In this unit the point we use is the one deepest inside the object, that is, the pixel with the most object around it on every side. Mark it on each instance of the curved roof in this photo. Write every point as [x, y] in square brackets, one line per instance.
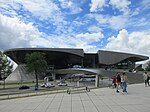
[78, 52]
[18, 54]
[64, 56]
[110, 57]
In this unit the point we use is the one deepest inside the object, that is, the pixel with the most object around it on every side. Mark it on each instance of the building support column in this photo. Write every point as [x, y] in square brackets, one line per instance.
[97, 80]
[78, 84]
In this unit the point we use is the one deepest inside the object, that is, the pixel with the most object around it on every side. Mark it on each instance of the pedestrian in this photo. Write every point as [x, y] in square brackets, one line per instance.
[114, 81]
[148, 77]
[118, 82]
[121, 81]
[125, 79]
[145, 75]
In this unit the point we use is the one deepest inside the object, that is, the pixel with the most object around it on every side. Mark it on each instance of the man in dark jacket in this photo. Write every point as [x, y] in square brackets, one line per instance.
[118, 81]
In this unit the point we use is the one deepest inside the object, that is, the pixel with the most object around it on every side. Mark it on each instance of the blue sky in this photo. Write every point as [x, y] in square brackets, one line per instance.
[118, 25]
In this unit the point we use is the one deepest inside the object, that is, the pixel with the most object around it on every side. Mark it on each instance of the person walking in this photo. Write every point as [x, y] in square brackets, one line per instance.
[148, 77]
[125, 79]
[114, 81]
[145, 76]
[118, 82]
[121, 80]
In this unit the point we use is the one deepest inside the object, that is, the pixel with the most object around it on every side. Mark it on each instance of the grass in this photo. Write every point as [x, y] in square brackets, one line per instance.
[16, 84]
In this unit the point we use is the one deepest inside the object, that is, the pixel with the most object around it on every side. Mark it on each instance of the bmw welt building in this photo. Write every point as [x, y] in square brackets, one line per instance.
[70, 61]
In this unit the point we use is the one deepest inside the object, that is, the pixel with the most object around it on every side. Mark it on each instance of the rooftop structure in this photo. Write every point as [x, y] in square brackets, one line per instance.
[62, 58]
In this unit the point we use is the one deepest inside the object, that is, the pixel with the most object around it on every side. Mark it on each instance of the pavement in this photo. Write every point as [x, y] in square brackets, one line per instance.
[97, 100]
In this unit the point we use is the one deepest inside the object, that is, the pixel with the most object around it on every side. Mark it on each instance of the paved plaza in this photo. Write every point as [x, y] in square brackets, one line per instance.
[97, 100]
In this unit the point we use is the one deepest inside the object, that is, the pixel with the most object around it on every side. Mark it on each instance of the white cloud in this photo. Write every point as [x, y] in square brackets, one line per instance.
[135, 12]
[145, 4]
[100, 18]
[94, 37]
[66, 41]
[120, 42]
[73, 7]
[85, 41]
[94, 29]
[113, 22]
[97, 4]
[15, 33]
[66, 3]
[117, 22]
[44, 9]
[88, 48]
[121, 5]
[135, 42]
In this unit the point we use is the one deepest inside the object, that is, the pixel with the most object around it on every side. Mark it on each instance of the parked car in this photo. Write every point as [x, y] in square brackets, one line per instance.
[77, 66]
[43, 85]
[47, 85]
[62, 84]
[24, 87]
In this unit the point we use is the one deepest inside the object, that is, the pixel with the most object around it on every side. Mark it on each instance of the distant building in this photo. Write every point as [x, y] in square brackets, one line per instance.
[65, 58]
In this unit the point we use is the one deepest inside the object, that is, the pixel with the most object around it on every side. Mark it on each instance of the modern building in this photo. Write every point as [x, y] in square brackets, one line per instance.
[60, 60]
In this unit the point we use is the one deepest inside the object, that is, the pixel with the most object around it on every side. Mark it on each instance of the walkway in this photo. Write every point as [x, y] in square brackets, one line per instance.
[98, 100]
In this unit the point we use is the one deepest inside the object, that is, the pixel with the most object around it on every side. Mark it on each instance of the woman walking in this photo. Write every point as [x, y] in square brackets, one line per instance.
[125, 78]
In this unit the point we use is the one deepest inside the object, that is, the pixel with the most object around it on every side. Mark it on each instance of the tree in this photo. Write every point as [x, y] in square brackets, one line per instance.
[6, 67]
[148, 66]
[36, 63]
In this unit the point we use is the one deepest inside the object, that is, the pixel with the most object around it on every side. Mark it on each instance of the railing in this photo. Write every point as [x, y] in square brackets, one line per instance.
[78, 89]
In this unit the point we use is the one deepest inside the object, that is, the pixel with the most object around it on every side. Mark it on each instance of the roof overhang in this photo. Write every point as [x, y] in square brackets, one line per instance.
[110, 57]
[17, 54]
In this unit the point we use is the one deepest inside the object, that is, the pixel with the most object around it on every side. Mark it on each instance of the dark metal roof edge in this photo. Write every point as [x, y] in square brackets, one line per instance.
[14, 49]
[133, 54]
[81, 53]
